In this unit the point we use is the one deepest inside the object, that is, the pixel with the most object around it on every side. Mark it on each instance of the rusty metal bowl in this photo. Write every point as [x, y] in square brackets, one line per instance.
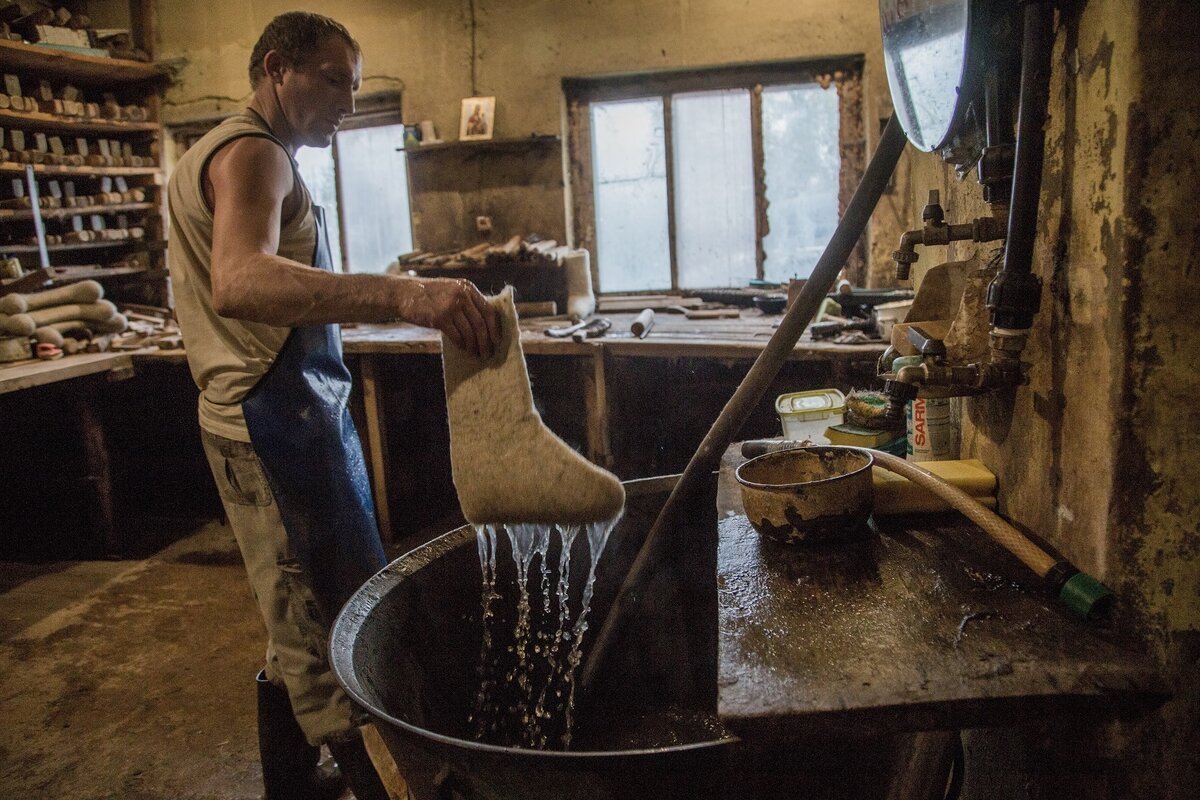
[808, 494]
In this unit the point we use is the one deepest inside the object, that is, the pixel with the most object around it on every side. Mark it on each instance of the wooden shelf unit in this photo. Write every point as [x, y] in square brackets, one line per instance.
[140, 264]
[144, 244]
[79, 211]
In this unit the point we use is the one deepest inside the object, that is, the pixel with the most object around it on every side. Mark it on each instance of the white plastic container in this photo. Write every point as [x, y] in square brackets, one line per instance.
[888, 314]
[806, 415]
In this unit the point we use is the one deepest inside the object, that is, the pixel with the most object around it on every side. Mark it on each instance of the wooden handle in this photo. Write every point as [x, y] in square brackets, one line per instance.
[642, 325]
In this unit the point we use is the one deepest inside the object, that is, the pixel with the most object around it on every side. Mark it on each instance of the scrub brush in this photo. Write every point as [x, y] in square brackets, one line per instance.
[867, 409]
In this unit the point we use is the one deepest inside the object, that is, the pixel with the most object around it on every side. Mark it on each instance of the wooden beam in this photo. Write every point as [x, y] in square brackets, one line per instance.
[595, 399]
[377, 445]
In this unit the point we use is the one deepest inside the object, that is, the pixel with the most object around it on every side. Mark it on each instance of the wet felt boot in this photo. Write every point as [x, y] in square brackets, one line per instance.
[350, 753]
[290, 765]
[507, 465]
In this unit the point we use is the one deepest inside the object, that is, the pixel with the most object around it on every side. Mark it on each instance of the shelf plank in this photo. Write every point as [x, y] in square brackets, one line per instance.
[66, 213]
[59, 276]
[81, 172]
[88, 70]
[484, 145]
[37, 120]
[144, 244]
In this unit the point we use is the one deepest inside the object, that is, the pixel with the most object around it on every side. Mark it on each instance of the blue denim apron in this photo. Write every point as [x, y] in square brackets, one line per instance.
[300, 426]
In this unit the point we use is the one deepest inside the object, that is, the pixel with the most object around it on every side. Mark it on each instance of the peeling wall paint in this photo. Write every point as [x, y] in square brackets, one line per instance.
[1096, 453]
[1052, 441]
[1159, 524]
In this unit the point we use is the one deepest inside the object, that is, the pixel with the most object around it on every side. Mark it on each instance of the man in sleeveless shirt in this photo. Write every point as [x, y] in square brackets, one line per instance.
[257, 300]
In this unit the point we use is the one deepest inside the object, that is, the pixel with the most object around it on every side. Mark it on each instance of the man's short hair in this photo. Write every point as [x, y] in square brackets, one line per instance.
[295, 35]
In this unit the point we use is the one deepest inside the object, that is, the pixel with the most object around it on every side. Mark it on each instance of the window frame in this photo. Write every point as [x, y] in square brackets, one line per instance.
[372, 117]
[843, 71]
[371, 110]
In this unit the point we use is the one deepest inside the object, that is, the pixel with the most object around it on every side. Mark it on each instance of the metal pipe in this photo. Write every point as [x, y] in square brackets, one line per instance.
[708, 456]
[1014, 295]
[981, 229]
[914, 374]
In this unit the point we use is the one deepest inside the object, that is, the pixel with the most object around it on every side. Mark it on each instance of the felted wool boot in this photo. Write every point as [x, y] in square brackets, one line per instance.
[350, 753]
[290, 764]
[507, 465]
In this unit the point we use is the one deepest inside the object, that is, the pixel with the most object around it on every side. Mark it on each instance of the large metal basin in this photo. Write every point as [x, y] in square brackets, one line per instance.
[407, 646]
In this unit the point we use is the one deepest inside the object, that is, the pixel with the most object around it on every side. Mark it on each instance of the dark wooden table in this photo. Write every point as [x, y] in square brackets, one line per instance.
[923, 623]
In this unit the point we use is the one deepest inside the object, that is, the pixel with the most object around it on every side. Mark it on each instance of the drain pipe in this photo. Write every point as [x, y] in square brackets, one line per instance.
[1081, 592]
[707, 457]
[1014, 295]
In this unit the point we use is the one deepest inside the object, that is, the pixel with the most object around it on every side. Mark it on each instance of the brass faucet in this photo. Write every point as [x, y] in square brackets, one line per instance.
[936, 231]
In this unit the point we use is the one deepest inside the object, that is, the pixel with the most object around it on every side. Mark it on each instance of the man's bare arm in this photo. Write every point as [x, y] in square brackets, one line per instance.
[251, 179]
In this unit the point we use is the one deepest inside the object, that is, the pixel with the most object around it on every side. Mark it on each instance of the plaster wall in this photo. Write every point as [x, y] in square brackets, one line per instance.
[522, 48]
[438, 52]
[1095, 453]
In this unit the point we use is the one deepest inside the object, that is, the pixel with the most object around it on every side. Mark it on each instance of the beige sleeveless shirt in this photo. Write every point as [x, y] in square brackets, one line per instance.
[226, 356]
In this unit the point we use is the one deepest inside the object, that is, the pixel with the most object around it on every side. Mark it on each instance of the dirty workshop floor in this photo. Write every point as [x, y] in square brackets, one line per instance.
[131, 680]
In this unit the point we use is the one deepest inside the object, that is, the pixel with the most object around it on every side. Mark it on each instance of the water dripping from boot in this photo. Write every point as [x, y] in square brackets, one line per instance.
[526, 688]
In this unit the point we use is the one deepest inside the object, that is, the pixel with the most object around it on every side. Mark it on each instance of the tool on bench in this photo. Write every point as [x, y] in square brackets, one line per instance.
[592, 330]
[585, 329]
[562, 333]
[705, 313]
[828, 329]
[641, 326]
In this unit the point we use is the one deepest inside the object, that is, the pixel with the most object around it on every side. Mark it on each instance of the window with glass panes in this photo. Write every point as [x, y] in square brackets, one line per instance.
[712, 177]
[362, 183]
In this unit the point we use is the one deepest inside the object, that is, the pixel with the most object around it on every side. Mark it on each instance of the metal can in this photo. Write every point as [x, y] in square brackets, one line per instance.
[932, 429]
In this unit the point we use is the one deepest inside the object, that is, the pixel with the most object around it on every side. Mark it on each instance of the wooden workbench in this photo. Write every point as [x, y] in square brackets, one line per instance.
[27, 374]
[591, 366]
[672, 336]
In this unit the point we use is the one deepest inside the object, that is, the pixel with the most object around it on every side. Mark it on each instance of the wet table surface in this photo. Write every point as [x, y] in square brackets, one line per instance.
[922, 623]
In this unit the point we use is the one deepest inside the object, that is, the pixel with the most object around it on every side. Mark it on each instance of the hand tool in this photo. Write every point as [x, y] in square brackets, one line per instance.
[593, 329]
[562, 333]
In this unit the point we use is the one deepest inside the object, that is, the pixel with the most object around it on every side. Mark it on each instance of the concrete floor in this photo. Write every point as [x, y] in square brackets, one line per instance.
[133, 679]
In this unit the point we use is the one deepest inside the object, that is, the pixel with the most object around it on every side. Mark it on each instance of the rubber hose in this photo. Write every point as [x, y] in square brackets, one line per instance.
[992, 524]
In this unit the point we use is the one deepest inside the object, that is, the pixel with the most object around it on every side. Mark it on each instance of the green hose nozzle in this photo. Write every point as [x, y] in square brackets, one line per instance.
[1085, 595]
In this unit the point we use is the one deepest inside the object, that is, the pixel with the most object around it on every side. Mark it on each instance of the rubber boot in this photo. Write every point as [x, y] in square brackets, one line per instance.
[351, 756]
[290, 765]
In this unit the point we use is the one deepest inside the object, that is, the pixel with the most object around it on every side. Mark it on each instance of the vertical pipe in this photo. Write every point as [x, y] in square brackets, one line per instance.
[708, 456]
[1013, 296]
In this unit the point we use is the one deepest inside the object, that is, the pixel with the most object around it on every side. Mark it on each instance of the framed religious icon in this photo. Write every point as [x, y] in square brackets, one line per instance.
[478, 118]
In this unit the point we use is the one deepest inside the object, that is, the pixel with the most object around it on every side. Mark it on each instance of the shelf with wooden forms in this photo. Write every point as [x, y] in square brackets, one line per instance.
[37, 120]
[133, 82]
[484, 146]
[78, 211]
[152, 245]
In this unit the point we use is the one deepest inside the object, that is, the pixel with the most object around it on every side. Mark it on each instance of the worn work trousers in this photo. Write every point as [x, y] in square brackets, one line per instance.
[297, 633]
